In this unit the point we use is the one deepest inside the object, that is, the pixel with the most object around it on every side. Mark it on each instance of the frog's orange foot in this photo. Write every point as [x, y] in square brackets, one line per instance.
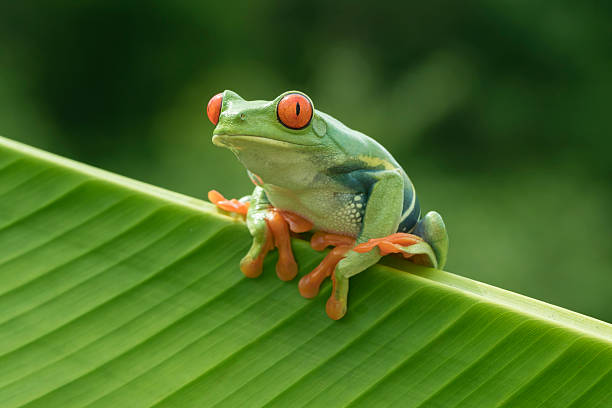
[232, 205]
[286, 267]
[278, 236]
[309, 285]
[279, 224]
[393, 243]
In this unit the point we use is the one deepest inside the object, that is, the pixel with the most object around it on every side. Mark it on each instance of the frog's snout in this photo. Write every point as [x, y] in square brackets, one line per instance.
[237, 117]
[230, 119]
[213, 111]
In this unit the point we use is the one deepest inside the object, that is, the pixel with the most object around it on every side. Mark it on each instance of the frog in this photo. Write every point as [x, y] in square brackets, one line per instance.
[312, 173]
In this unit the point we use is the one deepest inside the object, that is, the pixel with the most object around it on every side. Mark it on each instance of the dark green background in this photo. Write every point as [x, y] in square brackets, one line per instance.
[498, 110]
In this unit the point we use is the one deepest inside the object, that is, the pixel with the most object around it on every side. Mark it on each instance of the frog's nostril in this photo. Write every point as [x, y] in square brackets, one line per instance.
[242, 116]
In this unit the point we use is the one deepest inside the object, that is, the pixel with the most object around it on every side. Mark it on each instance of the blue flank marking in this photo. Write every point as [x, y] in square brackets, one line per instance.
[361, 181]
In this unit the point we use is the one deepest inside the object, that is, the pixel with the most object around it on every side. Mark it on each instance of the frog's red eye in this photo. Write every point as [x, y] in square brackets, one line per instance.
[214, 108]
[294, 111]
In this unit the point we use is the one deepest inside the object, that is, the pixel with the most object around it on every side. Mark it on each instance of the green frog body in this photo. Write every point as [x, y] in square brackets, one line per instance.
[305, 162]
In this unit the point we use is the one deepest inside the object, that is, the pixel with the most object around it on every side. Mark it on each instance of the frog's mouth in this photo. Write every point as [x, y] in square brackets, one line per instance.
[242, 141]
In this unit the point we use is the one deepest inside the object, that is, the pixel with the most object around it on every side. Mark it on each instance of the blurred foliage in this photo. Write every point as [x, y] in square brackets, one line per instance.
[497, 109]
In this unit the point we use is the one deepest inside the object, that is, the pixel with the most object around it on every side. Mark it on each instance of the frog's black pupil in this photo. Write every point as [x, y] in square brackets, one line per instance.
[297, 109]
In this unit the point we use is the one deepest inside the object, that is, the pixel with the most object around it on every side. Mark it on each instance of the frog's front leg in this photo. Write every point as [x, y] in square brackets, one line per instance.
[268, 228]
[263, 241]
[381, 218]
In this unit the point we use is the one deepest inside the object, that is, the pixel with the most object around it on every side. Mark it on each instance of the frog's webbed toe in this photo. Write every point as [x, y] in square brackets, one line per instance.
[233, 205]
[286, 267]
[309, 284]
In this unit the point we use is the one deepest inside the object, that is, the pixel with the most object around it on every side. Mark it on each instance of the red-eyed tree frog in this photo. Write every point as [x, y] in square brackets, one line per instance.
[311, 172]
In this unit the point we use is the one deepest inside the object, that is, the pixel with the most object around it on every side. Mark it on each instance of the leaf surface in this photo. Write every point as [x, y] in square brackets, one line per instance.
[117, 293]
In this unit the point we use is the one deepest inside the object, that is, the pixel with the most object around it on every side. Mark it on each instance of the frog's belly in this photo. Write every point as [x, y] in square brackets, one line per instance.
[336, 212]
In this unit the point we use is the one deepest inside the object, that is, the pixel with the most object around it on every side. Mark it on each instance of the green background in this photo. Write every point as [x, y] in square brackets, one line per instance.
[498, 110]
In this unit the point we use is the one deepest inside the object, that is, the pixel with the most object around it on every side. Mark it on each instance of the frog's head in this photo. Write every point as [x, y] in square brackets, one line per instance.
[288, 121]
[269, 135]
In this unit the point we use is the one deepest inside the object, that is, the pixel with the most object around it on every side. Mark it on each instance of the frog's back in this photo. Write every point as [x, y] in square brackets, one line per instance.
[362, 150]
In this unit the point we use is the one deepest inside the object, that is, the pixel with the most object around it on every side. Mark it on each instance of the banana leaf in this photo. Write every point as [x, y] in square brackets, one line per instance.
[114, 293]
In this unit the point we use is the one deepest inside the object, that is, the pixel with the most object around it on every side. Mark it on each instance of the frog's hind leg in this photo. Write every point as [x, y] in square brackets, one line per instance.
[433, 231]
[428, 245]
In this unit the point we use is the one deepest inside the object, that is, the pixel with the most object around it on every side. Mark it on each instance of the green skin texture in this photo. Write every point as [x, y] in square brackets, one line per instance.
[294, 166]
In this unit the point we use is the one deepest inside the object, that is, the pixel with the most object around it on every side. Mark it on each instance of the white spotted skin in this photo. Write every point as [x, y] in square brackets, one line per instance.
[337, 211]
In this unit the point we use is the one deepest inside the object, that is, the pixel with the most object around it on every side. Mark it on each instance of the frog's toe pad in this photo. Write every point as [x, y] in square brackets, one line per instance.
[309, 285]
[286, 268]
[251, 268]
[335, 308]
